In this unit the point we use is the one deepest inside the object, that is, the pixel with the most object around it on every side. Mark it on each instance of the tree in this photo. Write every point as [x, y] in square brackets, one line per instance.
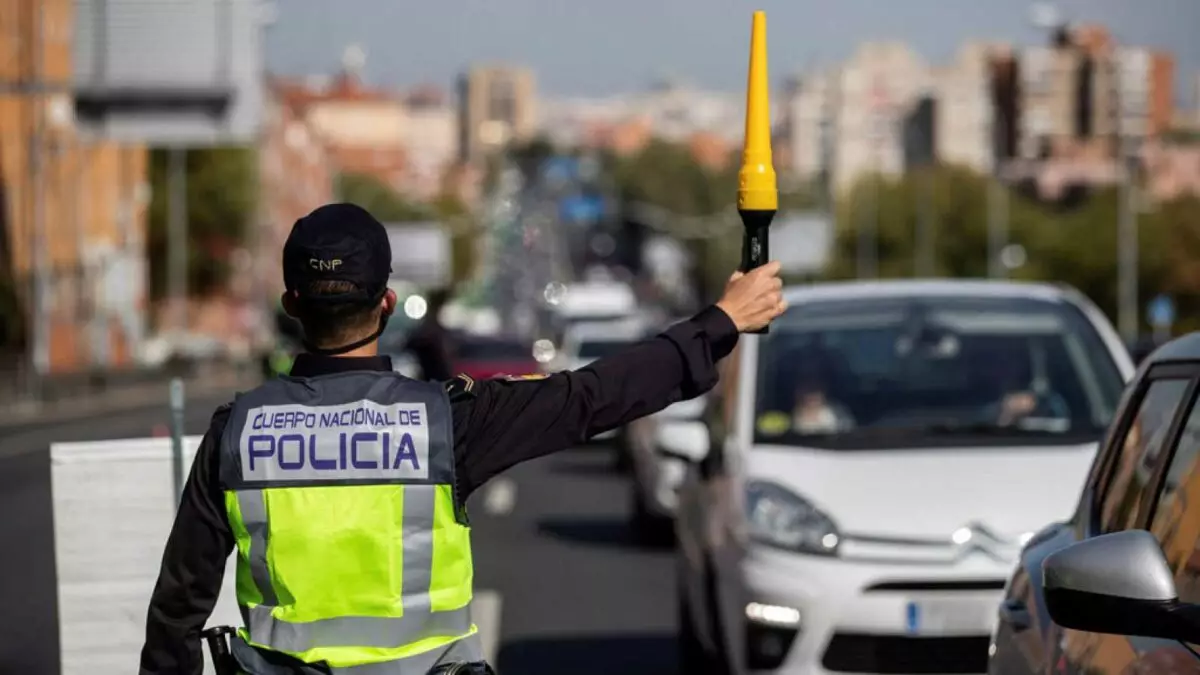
[222, 191]
[380, 200]
[1074, 244]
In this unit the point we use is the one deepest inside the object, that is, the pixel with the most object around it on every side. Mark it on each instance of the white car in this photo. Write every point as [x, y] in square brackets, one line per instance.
[884, 452]
[587, 341]
[656, 472]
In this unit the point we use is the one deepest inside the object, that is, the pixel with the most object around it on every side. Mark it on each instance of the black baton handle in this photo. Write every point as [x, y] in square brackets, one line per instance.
[756, 245]
[218, 649]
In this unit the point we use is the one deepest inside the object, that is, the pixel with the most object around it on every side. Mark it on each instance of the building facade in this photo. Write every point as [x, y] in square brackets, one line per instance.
[81, 201]
[810, 111]
[965, 116]
[496, 107]
[879, 87]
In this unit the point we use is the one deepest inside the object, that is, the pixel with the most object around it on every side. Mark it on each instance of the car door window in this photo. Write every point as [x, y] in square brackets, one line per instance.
[1138, 454]
[1176, 521]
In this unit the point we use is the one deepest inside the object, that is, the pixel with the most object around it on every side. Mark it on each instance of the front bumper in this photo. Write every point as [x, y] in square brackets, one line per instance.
[857, 616]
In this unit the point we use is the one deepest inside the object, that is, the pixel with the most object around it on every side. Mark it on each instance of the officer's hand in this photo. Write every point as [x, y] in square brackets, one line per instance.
[753, 299]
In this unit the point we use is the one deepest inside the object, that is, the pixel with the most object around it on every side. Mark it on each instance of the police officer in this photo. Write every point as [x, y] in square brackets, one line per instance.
[342, 486]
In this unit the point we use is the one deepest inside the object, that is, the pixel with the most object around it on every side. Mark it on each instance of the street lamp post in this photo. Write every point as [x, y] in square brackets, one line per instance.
[1127, 241]
[998, 226]
[868, 231]
[41, 262]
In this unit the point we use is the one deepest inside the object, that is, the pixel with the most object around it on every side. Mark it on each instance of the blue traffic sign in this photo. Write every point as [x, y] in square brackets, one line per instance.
[582, 209]
[1161, 311]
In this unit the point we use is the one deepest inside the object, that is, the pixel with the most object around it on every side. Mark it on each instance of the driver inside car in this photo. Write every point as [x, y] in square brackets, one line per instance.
[1021, 394]
[814, 411]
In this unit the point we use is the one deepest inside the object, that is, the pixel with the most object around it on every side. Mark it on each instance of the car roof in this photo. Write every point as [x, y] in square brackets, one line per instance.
[838, 290]
[1185, 348]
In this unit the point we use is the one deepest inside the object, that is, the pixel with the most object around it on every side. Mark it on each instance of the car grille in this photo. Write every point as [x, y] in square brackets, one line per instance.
[888, 654]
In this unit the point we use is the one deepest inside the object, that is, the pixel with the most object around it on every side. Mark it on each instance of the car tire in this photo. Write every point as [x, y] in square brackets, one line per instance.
[622, 457]
[651, 529]
[692, 656]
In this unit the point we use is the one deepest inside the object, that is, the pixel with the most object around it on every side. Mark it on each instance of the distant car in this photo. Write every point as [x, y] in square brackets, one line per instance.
[596, 301]
[657, 473]
[874, 463]
[585, 342]
[1101, 572]
[484, 357]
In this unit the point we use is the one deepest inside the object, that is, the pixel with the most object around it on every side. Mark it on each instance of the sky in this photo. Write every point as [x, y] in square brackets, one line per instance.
[599, 47]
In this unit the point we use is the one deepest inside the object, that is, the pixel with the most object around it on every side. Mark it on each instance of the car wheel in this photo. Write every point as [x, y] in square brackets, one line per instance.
[692, 656]
[650, 529]
[622, 459]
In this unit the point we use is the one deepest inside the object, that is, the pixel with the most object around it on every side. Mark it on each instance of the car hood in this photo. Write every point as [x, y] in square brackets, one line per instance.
[928, 494]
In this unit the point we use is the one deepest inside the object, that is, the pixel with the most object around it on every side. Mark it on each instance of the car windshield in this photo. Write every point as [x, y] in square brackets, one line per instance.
[597, 349]
[924, 371]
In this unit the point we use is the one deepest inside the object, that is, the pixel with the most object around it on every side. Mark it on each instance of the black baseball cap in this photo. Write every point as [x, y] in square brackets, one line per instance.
[338, 242]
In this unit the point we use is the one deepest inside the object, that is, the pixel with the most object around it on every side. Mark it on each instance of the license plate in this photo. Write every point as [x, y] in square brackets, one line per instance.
[949, 616]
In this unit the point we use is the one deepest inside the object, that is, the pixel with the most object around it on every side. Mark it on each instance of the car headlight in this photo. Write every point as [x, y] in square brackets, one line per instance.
[779, 517]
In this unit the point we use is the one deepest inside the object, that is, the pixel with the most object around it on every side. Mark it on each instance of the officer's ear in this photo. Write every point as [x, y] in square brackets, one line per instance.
[388, 303]
[290, 303]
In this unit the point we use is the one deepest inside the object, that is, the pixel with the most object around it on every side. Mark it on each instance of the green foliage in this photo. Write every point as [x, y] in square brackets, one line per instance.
[379, 199]
[221, 197]
[665, 175]
[465, 235]
[390, 207]
[530, 155]
[1181, 136]
[1076, 246]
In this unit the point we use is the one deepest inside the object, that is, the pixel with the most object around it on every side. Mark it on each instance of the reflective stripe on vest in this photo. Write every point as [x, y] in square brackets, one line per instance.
[350, 549]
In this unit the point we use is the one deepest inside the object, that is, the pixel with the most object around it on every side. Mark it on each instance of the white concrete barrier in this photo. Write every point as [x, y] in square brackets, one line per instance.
[113, 509]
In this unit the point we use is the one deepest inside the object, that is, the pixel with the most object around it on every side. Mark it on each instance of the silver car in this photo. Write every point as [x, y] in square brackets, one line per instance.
[1114, 588]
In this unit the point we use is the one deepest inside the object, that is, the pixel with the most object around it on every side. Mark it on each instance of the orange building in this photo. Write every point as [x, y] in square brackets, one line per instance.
[88, 200]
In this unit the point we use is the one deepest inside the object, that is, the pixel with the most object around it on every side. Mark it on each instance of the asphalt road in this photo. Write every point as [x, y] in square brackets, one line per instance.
[28, 615]
[552, 549]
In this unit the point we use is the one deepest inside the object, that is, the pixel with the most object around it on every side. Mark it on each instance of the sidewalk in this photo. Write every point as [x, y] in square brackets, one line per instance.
[125, 397]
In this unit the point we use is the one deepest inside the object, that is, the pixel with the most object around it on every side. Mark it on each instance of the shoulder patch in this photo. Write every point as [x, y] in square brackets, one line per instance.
[529, 376]
[460, 387]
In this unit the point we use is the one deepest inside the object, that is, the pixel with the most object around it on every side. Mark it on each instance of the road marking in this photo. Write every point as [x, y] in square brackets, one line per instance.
[500, 497]
[485, 610]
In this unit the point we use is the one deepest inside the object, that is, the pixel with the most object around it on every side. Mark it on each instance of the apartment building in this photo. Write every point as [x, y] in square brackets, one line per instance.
[1083, 93]
[496, 107]
[810, 111]
[431, 139]
[296, 175]
[88, 202]
[965, 116]
[879, 87]
[362, 128]
[710, 123]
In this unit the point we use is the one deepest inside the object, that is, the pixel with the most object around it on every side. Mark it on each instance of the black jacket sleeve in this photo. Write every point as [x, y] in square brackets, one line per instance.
[499, 423]
[193, 567]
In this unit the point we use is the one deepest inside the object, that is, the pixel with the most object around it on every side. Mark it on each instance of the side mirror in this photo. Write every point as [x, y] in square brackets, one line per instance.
[692, 409]
[685, 440]
[1119, 584]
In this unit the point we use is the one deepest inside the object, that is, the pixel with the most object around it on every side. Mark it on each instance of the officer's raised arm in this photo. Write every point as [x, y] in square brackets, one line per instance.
[509, 421]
